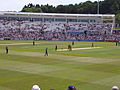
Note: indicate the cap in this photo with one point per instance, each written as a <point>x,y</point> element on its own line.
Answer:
<point>71,87</point>
<point>35,87</point>
<point>115,88</point>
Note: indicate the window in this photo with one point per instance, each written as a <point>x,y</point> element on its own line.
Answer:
<point>48,19</point>
<point>3,18</point>
<point>12,18</point>
<point>25,18</point>
<point>60,20</point>
<point>37,19</point>
<point>71,20</point>
<point>83,20</point>
<point>92,20</point>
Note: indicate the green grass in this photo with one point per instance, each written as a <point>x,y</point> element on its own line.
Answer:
<point>117,28</point>
<point>26,65</point>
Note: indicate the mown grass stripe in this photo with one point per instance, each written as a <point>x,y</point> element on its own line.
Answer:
<point>27,67</point>
<point>5,88</point>
<point>93,60</point>
<point>72,58</point>
<point>79,75</point>
<point>109,81</point>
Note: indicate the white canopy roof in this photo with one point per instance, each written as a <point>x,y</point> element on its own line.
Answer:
<point>55,14</point>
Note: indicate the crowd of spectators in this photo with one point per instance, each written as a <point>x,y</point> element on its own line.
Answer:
<point>71,87</point>
<point>29,30</point>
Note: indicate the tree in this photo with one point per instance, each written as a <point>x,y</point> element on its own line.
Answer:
<point>31,8</point>
<point>88,7</point>
<point>60,9</point>
<point>118,18</point>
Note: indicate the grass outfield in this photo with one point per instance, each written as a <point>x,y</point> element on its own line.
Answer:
<point>89,69</point>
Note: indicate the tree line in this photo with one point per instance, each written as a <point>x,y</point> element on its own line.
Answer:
<point>88,7</point>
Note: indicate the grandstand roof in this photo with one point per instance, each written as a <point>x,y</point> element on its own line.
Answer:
<point>53,14</point>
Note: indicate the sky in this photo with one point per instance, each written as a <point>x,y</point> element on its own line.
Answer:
<point>17,5</point>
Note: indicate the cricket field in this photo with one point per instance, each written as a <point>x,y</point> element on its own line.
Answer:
<point>86,67</point>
